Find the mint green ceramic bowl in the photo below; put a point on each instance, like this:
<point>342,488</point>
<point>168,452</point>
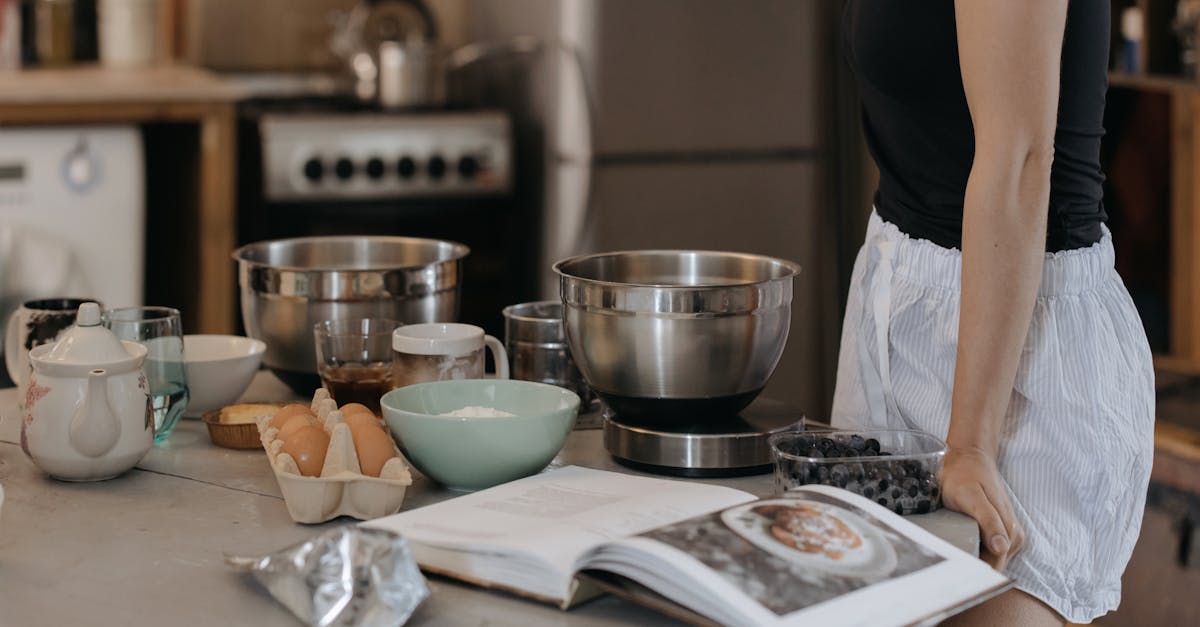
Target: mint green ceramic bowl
<point>477,453</point>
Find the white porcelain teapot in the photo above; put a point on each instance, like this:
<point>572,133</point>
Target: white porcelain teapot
<point>88,414</point>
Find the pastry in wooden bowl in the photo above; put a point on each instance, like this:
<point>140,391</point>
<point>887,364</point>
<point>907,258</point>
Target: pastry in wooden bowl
<point>236,426</point>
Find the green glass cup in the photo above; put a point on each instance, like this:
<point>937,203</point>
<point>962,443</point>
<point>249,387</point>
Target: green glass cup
<point>160,330</point>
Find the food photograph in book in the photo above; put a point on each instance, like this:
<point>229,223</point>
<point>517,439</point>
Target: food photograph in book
<point>792,553</point>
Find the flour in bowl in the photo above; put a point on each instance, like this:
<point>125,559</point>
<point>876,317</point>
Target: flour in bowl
<point>478,412</point>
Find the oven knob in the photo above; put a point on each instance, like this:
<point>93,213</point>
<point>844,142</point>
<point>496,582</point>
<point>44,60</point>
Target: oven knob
<point>375,168</point>
<point>344,168</point>
<point>437,167</point>
<point>314,169</point>
<point>468,167</point>
<point>406,167</point>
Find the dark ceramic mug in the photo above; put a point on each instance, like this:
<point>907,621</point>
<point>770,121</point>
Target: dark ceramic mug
<point>35,323</point>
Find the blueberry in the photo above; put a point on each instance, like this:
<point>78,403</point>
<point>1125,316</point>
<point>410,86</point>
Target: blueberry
<point>814,453</point>
<point>857,442</point>
<point>822,473</point>
<point>896,492</point>
<point>883,484</point>
<point>899,509</point>
<point>825,444</point>
<point>923,506</point>
<point>873,444</point>
<point>934,493</point>
<point>910,486</point>
<point>883,501</point>
<point>868,491</point>
<point>839,475</point>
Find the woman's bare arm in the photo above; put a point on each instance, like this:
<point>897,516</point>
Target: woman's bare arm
<point>1010,53</point>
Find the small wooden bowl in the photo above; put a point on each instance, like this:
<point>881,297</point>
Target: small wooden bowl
<point>234,426</point>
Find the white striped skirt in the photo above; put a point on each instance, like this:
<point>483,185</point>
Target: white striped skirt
<point>1078,436</point>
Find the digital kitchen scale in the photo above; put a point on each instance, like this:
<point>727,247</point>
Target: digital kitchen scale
<point>710,447</point>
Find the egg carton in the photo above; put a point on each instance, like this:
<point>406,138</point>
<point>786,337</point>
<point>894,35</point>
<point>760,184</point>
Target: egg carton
<point>342,489</point>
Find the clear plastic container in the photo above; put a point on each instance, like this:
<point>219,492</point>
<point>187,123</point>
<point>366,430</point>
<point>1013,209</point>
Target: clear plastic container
<point>896,468</point>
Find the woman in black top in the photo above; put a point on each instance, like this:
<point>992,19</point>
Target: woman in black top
<point>1023,350</point>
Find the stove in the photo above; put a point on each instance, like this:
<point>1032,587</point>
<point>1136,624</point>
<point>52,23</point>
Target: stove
<point>317,162</point>
<point>321,156</point>
<point>710,447</point>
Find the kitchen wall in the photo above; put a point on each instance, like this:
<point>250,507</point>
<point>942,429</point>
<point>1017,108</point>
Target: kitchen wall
<point>281,35</point>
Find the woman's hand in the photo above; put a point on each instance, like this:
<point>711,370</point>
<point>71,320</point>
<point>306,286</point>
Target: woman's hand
<point>971,484</point>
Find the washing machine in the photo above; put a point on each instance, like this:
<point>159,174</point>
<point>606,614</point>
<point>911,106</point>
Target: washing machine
<point>72,214</point>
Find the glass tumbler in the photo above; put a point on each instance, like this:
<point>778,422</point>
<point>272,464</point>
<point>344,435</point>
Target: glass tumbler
<point>354,359</point>
<point>159,329</point>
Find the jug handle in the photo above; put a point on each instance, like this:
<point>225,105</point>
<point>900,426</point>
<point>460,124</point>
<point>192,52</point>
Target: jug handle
<point>11,350</point>
<point>94,428</point>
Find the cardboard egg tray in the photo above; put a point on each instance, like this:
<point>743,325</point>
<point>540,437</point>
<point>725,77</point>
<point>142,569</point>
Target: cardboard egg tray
<point>342,489</point>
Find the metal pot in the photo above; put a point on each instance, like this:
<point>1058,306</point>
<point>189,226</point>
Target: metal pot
<point>289,285</point>
<point>672,337</point>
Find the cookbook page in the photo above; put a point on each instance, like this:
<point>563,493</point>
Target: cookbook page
<point>825,557</point>
<point>559,514</point>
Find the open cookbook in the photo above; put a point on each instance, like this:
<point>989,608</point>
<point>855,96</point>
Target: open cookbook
<point>702,553</point>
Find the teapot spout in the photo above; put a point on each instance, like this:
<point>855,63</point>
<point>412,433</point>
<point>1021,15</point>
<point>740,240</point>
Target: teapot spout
<point>94,428</point>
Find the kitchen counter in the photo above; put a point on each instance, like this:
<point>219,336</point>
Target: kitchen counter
<point>167,94</point>
<point>146,548</point>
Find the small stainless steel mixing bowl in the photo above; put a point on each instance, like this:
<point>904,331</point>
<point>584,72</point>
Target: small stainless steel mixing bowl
<point>289,285</point>
<point>673,336</point>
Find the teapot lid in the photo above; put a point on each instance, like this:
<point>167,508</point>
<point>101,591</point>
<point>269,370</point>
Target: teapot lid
<point>88,342</point>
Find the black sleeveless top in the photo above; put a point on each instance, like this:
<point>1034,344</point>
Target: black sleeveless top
<point>905,56</point>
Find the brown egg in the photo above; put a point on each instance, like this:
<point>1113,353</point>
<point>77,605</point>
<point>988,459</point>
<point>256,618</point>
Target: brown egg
<point>308,446</point>
<point>374,448</point>
<point>356,421</point>
<point>287,411</point>
<point>292,425</point>
<point>350,409</point>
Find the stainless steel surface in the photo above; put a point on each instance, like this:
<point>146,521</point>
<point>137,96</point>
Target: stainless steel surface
<point>393,156</point>
<point>735,445</point>
<point>287,286</point>
<point>537,347</point>
<point>73,553</point>
<point>672,150</point>
<point>409,74</point>
<point>661,326</point>
<point>364,36</point>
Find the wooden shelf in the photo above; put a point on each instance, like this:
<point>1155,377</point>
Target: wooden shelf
<point>87,84</point>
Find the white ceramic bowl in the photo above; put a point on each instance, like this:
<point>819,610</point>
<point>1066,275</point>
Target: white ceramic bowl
<point>218,368</point>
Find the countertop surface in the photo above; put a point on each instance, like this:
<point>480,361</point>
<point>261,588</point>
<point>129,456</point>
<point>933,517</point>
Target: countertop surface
<point>146,548</point>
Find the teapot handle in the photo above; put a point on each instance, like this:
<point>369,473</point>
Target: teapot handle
<point>11,350</point>
<point>94,428</point>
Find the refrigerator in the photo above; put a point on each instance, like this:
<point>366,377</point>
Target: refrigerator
<point>704,124</point>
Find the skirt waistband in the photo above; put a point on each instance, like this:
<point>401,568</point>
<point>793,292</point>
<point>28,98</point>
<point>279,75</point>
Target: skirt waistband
<point>923,262</point>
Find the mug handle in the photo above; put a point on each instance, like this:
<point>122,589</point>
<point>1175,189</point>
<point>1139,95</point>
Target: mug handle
<point>11,350</point>
<point>499,355</point>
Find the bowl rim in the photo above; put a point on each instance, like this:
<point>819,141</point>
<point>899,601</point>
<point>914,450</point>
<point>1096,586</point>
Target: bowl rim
<point>459,251</point>
<point>776,437</point>
<point>792,267</point>
<point>571,412</point>
<point>259,348</point>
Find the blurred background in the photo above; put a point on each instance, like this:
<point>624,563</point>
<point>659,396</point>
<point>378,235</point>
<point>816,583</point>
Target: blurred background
<point>141,141</point>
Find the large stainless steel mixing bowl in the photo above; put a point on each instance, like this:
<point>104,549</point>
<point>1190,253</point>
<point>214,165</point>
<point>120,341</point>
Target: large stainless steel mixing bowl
<point>289,285</point>
<point>667,337</point>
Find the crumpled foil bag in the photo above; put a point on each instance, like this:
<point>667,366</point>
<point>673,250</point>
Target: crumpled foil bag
<point>351,575</point>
